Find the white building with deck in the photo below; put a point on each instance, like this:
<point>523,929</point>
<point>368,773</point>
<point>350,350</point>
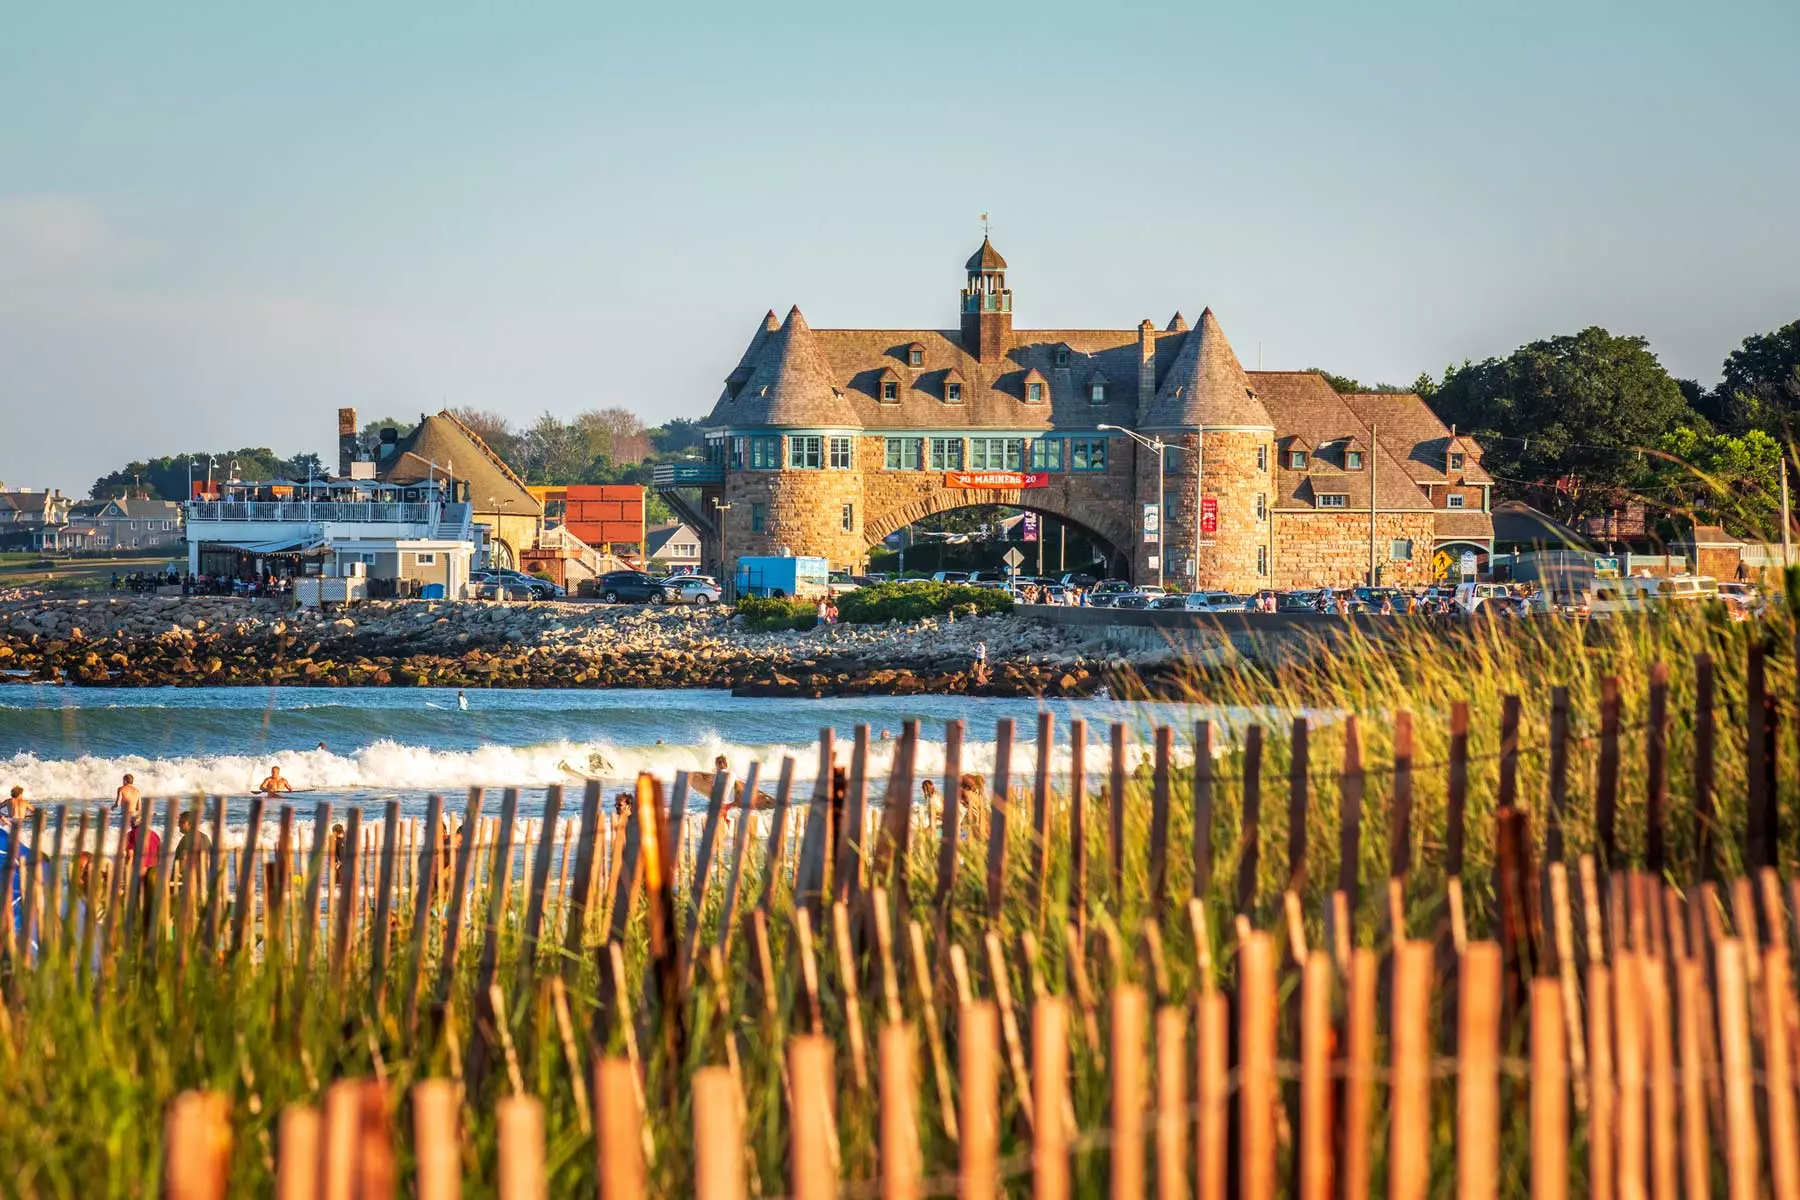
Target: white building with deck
<point>409,539</point>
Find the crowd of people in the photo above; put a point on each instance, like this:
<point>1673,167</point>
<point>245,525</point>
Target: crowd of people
<point>139,583</point>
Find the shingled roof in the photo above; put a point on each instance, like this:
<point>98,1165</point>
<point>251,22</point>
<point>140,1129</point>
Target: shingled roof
<point>1303,403</point>
<point>985,259</point>
<point>442,445</point>
<point>1204,386</point>
<point>1406,424</point>
<point>789,383</point>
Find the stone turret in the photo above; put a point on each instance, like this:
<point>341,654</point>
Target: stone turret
<point>1221,439</point>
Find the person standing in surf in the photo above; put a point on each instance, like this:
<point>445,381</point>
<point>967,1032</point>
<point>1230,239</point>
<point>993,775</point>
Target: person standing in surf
<point>462,701</point>
<point>128,798</point>
<point>274,785</point>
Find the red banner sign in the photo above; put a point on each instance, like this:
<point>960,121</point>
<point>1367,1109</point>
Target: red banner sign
<point>996,480</point>
<point>1209,516</point>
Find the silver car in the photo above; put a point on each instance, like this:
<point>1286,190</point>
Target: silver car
<point>699,590</point>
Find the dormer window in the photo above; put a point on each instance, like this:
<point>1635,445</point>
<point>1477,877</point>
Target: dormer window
<point>1456,460</point>
<point>887,388</point>
<point>1062,356</point>
<point>1332,500</point>
<point>953,387</point>
<point>1034,393</point>
<point>1353,460</point>
<point>1097,393</point>
<point>915,355</point>
<point>1296,460</point>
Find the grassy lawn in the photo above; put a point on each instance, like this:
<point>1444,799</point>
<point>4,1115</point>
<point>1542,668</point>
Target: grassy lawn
<point>18,570</point>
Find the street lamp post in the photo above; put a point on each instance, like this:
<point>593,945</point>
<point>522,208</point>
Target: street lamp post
<point>728,585</point>
<point>1155,445</point>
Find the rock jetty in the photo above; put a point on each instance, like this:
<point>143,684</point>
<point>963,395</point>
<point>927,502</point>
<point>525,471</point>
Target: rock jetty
<point>214,641</point>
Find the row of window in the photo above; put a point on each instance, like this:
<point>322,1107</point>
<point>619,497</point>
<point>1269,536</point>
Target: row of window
<point>953,391</point>
<point>838,453</point>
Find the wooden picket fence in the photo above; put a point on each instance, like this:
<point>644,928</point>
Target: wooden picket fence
<point>1313,1041</point>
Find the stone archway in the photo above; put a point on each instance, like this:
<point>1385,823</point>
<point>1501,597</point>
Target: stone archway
<point>1101,526</point>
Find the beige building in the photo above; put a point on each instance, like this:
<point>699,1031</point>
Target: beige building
<point>442,447</point>
<point>825,441</point>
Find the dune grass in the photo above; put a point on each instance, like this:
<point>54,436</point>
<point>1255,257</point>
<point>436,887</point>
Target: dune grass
<point>88,1065</point>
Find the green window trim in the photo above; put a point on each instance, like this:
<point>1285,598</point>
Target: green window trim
<point>765,453</point>
<point>996,454</point>
<point>842,452</point>
<point>806,452</point>
<point>903,454</point>
<point>946,453</point>
<point>1047,454</point>
<point>1087,454</point>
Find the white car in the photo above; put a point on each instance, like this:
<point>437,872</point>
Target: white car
<point>698,590</point>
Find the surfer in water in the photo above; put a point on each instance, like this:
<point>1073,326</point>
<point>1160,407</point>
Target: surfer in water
<point>275,784</point>
<point>462,701</point>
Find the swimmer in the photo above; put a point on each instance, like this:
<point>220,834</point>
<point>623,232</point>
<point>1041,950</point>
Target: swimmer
<point>274,785</point>
<point>128,798</point>
<point>462,701</point>
<point>321,746</point>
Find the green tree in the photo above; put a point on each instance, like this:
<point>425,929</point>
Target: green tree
<point>1565,421</point>
<point>369,436</point>
<point>166,477</point>
<point>676,435</point>
<point>1761,384</point>
<point>1343,385</point>
<point>496,431</point>
<point>1725,479</point>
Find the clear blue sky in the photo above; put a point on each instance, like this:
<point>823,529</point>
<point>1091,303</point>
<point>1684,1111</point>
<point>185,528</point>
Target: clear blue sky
<point>219,222</point>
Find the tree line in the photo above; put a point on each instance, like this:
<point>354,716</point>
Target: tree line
<point>1587,423</point>
<point>1577,425</point>
<point>605,445</point>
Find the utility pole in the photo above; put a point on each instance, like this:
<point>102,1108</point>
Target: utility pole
<point>1199,498</point>
<point>1787,521</point>
<point>1372,457</point>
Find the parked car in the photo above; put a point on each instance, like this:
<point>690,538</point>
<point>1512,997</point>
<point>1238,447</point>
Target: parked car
<point>1139,597</point>
<point>636,587</point>
<point>1102,594</point>
<point>987,575</point>
<point>698,590</point>
<point>1079,579</point>
<point>841,582</point>
<point>1305,600</point>
<point>1613,597</point>
<point>1217,602</point>
<point>950,576</point>
<point>514,585</point>
<point>1470,597</point>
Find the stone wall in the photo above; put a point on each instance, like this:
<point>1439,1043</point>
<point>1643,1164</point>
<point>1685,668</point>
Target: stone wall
<point>1314,549</point>
<point>804,511</point>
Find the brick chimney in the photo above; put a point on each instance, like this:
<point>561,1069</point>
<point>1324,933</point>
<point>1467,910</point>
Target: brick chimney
<point>1146,362</point>
<point>346,441</point>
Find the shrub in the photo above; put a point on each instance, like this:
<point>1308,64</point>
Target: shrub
<point>909,600</point>
<point>765,614</point>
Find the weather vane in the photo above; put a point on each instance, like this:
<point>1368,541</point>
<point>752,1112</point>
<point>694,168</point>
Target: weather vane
<point>984,225</point>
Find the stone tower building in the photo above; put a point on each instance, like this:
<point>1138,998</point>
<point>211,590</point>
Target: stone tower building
<point>825,441</point>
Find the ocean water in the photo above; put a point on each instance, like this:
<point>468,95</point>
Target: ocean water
<point>74,744</point>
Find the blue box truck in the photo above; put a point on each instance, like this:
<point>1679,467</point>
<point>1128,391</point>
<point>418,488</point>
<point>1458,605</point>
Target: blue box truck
<point>801,576</point>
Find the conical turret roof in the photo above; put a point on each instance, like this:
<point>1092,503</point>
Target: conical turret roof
<point>985,259</point>
<point>770,323</point>
<point>1205,385</point>
<point>790,385</point>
